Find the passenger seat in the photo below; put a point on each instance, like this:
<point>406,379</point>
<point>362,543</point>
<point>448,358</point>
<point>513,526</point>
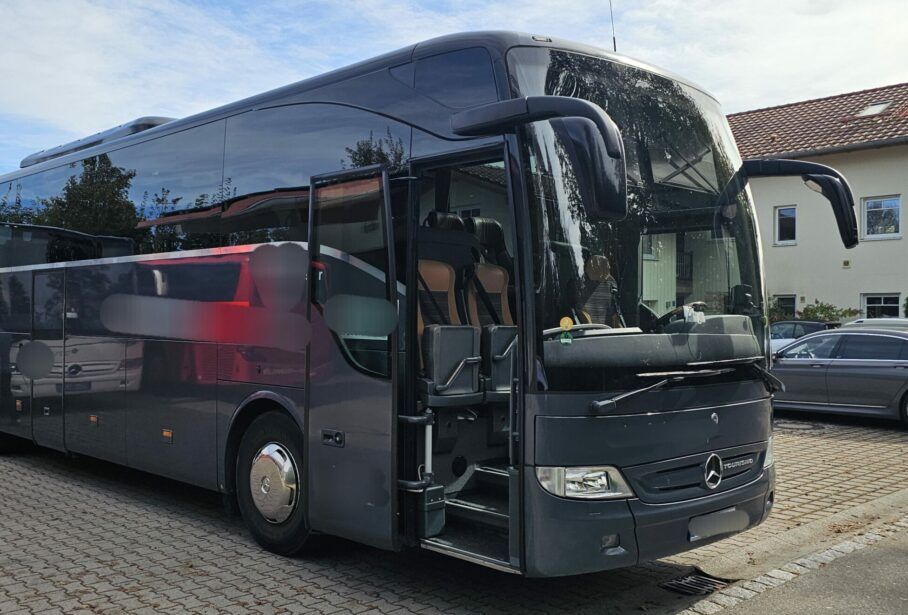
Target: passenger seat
<point>488,305</point>
<point>449,349</point>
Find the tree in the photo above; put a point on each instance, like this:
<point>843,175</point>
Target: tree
<point>96,202</point>
<point>11,208</point>
<point>384,150</point>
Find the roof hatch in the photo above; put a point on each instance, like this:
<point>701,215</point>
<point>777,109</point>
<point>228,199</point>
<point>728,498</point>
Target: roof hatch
<point>123,130</point>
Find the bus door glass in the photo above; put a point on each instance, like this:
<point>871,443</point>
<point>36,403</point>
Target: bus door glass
<point>351,417</point>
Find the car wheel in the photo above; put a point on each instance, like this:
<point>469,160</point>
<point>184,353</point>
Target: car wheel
<point>269,483</point>
<point>905,411</point>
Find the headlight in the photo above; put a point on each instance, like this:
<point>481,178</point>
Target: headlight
<point>770,456</point>
<point>596,483</point>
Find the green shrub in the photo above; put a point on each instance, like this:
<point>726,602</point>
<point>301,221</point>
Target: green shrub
<point>826,312</point>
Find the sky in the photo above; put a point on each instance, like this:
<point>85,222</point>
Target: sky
<point>69,68</point>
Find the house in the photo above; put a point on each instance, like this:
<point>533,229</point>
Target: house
<point>864,135</point>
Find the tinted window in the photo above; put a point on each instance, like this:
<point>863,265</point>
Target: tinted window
<point>458,79</point>
<point>272,153</point>
<point>871,347</point>
<point>782,331</point>
<point>22,199</point>
<point>173,186</point>
<point>352,284</point>
<point>801,329</point>
<point>16,302</point>
<point>813,348</point>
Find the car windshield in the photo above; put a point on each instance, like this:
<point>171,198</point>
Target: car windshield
<point>676,282</point>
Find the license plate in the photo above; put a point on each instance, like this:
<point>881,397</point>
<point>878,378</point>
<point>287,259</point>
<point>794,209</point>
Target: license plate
<point>76,387</point>
<point>720,522</point>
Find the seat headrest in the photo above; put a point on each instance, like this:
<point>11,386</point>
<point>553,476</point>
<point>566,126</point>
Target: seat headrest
<point>444,220</point>
<point>487,230</point>
<point>597,268</point>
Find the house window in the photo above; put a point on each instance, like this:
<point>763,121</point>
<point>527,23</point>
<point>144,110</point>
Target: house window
<point>881,306</point>
<point>786,225</point>
<point>882,217</point>
<point>647,247</point>
<point>786,305</point>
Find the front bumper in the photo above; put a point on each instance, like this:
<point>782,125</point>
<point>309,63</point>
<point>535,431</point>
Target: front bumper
<point>565,537</point>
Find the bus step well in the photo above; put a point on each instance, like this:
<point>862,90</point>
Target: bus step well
<point>481,506</point>
<point>473,542</point>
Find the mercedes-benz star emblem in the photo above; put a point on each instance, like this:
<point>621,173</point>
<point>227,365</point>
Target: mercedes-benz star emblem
<point>712,471</point>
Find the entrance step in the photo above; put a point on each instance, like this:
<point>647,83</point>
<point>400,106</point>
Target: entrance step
<point>473,542</point>
<point>492,475</point>
<point>484,506</point>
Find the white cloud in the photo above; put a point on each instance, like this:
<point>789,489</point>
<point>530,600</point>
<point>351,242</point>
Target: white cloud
<point>78,66</point>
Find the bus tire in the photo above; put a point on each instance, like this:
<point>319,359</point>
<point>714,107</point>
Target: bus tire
<point>269,483</point>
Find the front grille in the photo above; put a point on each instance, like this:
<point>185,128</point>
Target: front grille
<point>683,478</point>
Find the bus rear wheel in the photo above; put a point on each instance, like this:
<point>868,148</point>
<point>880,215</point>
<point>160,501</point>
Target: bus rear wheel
<point>269,485</point>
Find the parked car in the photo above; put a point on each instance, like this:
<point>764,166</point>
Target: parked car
<point>879,323</point>
<point>784,332</point>
<point>849,370</point>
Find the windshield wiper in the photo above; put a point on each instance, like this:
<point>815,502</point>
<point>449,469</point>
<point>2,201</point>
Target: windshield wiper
<point>667,377</point>
<point>768,378</point>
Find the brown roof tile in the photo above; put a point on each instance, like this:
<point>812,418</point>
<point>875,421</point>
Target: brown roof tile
<point>823,124</point>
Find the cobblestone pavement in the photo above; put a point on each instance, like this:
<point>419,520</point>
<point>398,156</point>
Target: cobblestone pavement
<point>81,536</point>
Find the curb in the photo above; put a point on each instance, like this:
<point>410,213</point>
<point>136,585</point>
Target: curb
<point>774,551</point>
<point>745,590</point>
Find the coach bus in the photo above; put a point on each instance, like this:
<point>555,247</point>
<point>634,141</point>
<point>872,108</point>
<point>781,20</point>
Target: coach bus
<point>493,295</point>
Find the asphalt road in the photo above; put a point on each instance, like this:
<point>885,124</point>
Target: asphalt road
<point>873,580</point>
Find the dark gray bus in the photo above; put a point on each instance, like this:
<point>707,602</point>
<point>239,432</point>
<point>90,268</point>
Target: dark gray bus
<point>492,295</point>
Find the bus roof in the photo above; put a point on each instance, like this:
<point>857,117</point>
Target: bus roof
<point>495,41</point>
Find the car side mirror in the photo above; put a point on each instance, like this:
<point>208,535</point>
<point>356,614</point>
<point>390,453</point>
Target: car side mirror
<point>588,137</point>
<point>819,178</point>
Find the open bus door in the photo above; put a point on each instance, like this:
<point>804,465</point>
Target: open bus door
<point>351,414</point>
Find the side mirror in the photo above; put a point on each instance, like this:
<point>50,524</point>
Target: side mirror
<point>839,196</point>
<point>819,178</point>
<point>587,135</point>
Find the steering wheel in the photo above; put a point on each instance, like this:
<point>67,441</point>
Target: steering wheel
<point>697,306</point>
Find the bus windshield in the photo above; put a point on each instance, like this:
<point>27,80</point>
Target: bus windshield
<point>674,285</point>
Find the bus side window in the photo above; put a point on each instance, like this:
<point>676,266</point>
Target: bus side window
<point>458,79</point>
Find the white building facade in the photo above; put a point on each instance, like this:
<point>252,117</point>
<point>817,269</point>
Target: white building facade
<point>864,135</point>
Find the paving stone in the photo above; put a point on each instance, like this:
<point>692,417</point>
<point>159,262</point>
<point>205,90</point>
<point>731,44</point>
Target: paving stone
<point>114,541</point>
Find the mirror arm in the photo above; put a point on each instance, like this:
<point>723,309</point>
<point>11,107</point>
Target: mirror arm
<point>506,116</point>
<point>778,167</point>
<point>834,187</point>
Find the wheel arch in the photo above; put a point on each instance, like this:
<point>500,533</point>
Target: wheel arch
<point>250,409</point>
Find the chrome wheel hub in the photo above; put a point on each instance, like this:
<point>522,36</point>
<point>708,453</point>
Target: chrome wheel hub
<point>274,483</point>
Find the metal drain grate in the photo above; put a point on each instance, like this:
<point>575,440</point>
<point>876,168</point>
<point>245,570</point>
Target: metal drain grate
<point>697,584</point>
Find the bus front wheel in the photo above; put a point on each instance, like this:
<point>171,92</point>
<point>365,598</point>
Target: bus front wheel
<point>269,483</point>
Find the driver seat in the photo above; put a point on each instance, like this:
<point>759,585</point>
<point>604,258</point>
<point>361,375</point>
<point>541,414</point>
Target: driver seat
<point>598,302</point>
